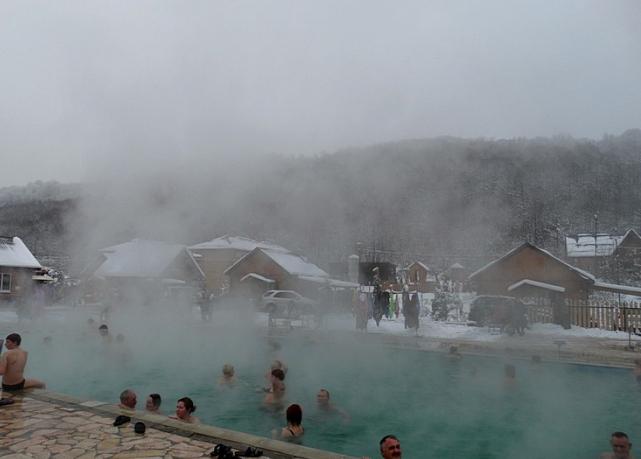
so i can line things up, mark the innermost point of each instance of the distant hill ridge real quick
(439, 197)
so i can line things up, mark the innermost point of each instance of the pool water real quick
(436, 405)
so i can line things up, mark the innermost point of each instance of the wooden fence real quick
(606, 315)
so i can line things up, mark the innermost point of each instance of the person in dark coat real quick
(406, 307)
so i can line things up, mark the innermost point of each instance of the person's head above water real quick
(279, 365)
(621, 445)
(13, 340)
(153, 402)
(103, 330)
(184, 408)
(278, 374)
(294, 414)
(228, 370)
(128, 399)
(322, 397)
(390, 447)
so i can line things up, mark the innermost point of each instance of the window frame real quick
(2, 281)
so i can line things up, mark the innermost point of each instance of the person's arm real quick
(3, 363)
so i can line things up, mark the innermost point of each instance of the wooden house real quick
(18, 267)
(604, 253)
(264, 269)
(147, 268)
(215, 256)
(420, 277)
(531, 267)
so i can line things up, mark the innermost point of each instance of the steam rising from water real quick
(458, 408)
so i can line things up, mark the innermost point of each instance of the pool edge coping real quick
(275, 449)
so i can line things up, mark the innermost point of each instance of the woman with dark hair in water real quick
(294, 430)
(184, 409)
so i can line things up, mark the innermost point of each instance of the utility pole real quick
(596, 260)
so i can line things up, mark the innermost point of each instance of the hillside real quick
(440, 199)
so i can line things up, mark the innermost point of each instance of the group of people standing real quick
(380, 302)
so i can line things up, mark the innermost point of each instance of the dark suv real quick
(506, 312)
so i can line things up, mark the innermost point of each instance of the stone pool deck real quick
(44, 425)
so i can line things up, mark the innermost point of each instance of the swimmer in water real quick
(152, 404)
(276, 365)
(184, 411)
(275, 397)
(621, 447)
(510, 375)
(128, 400)
(294, 429)
(228, 378)
(636, 372)
(327, 407)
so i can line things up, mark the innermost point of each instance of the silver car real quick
(287, 304)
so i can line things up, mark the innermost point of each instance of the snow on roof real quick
(618, 288)
(295, 264)
(42, 277)
(257, 277)
(457, 266)
(554, 288)
(236, 243)
(580, 272)
(331, 282)
(14, 253)
(586, 245)
(139, 258)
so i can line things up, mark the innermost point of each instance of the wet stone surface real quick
(31, 428)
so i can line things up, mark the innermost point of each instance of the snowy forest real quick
(446, 198)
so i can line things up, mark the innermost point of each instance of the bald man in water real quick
(12, 365)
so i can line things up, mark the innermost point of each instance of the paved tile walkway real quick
(37, 429)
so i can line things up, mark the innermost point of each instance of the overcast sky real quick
(86, 85)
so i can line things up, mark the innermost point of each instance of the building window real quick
(5, 282)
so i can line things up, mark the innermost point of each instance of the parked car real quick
(506, 312)
(287, 304)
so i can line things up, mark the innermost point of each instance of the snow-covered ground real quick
(459, 331)
(395, 326)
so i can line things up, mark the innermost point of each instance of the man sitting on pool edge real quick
(12, 365)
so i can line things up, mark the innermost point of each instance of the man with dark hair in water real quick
(12, 365)
(621, 447)
(327, 407)
(390, 447)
